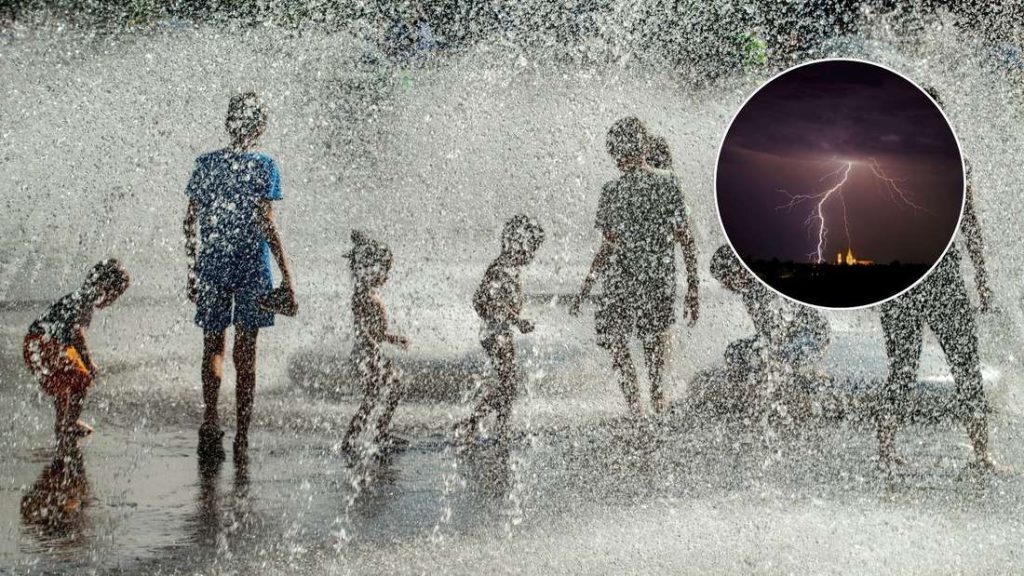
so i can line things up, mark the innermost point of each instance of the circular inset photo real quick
(840, 183)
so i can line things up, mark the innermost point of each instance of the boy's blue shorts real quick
(218, 307)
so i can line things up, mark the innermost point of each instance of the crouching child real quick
(788, 344)
(56, 352)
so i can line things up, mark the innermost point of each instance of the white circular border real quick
(963, 189)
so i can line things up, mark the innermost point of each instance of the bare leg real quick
(395, 390)
(359, 420)
(902, 325)
(74, 415)
(61, 425)
(977, 429)
(244, 356)
(954, 326)
(487, 403)
(508, 386)
(371, 390)
(212, 372)
(502, 357)
(623, 364)
(504, 411)
(654, 357)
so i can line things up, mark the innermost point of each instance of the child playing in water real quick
(56, 353)
(641, 216)
(498, 302)
(370, 262)
(795, 337)
(939, 302)
(230, 237)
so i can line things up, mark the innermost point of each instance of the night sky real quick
(800, 127)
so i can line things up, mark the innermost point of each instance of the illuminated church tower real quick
(850, 260)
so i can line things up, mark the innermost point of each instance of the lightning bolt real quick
(816, 218)
(818, 213)
(892, 185)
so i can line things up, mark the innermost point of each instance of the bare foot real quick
(464, 430)
(210, 432)
(889, 460)
(393, 443)
(987, 464)
(80, 429)
(210, 447)
(659, 404)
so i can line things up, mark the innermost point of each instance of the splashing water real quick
(432, 147)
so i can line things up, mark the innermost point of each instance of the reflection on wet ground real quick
(149, 505)
(54, 509)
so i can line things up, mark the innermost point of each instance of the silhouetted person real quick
(641, 215)
(499, 302)
(56, 353)
(788, 336)
(229, 198)
(370, 262)
(940, 302)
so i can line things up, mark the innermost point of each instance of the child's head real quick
(658, 154)
(369, 260)
(106, 282)
(521, 237)
(627, 142)
(934, 94)
(726, 268)
(246, 119)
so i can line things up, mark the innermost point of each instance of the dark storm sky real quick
(800, 127)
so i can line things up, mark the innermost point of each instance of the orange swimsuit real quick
(59, 368)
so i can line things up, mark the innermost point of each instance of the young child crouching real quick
(55, 349)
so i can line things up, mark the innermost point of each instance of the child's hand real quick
(525, 326)
(191, 292)
(577, 303)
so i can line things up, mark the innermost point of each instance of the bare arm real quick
(596, 267)
(389, 337)
(974, 243)
(684, 236)
(382, 334)
(269, 228)
(188, 226)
